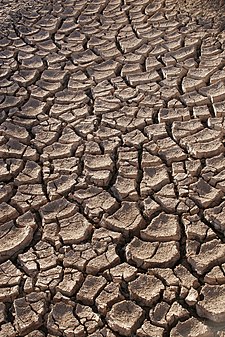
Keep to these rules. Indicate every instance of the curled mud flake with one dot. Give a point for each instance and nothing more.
(107, 259)
(122, 272)
(90, 288)
(146, 289)
(10, 278)
(154, 178)
(95, 201)
(49, 279)
(148, 329)
(164, 227)
(209, 307)
(204, 194)
(192, 328)
(164, 315)
(61, 319)
(71, 282)
(58, 209)
(205, 256)
(88, 318)
(215, 216)
(75, 229)
(7, 212)
(126, 220)
(152, 254)
(110, 295)
(125, 317)
(16, 235)
(29, 312)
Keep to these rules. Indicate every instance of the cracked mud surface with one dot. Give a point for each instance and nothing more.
(112, 170)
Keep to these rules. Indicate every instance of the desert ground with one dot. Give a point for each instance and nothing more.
(112, 168)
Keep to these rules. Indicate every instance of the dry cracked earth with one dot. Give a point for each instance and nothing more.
(112, 170)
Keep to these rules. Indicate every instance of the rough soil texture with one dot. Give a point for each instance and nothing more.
(112, 169)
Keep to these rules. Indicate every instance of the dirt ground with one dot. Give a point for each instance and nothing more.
(112, 168)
